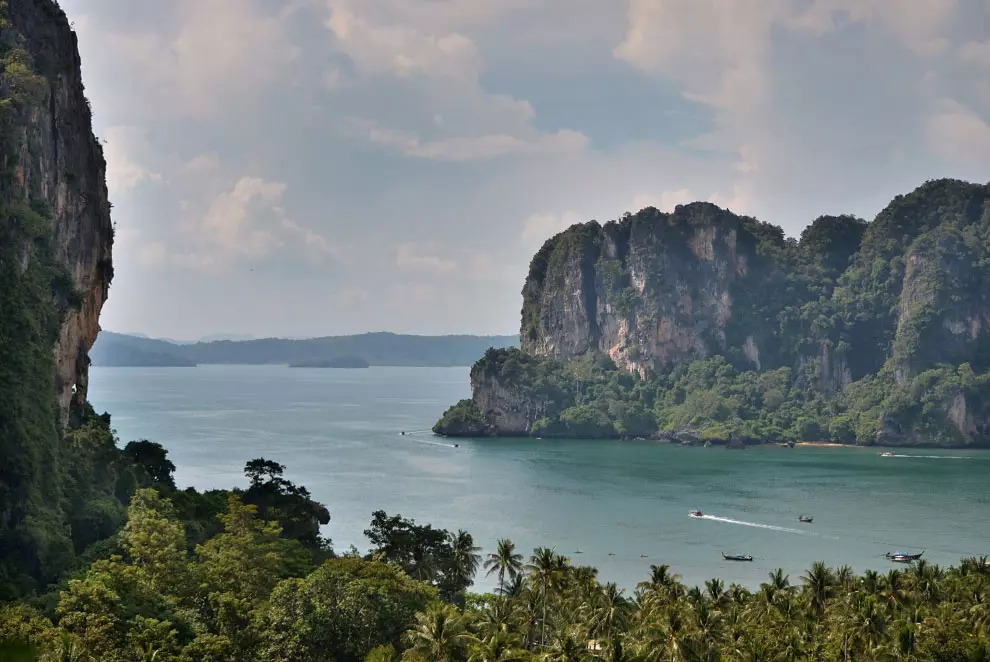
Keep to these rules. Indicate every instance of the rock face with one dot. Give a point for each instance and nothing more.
(651, 291)
(55, 268)
(57, 158)
(895, 301)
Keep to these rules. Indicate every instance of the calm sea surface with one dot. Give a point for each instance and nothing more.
(337, 432)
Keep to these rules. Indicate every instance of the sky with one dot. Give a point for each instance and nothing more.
(323, 167)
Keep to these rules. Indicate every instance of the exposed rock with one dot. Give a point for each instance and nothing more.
(59, 160)
(903, 301)
(651, 291)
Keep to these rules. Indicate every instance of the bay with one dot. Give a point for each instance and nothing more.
(624, 505)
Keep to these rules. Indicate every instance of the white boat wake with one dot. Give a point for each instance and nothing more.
(433, 443)
(932, 457)
(769, 527)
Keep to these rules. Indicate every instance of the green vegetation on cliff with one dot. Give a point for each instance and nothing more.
(703, 324)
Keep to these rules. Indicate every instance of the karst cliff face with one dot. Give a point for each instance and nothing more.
(56, 158)
(651, 291)
(55, 267)
(889, 301)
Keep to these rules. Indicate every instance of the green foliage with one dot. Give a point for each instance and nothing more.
(242, 596)
(36, 465)
(853, 333)
(712, 400)
(446, 560)
(290, 505)
(342, 611)
(463, 418)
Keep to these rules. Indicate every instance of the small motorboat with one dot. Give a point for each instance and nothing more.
(887, 454)
(696, 513)
(402, 433)
(736, 557)
(901, 557)
(805, 519)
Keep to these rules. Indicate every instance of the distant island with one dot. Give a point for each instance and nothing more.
(128, 356)
(335, 362)
(375, 349)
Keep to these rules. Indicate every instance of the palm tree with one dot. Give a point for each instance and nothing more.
(439, 635)
(464, 558)
(543, 565)
(499, 647)
(818, 581)
(515, 587)
(609, 613)
(567, 648)
(504, 560)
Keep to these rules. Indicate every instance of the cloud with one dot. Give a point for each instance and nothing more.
(448, 115)
(245, 224)
(312, 240)
(153, 255)
(540, 227)
(417, 257)
(466, 148)
(665, 202)
(201, 164)
(958, 133)
(976, 53)
(363, 157)
(123, 173)
(198, 57)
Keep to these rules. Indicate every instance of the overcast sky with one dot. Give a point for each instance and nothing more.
(317, 167)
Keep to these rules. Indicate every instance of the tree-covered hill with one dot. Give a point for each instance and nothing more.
(704, 324)
(390, 349)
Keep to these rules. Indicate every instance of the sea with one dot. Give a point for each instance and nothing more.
(618, 506)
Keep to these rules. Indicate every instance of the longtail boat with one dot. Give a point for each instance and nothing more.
(901, 557)
(736, 557)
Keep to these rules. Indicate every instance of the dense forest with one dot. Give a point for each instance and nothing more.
(700, 324)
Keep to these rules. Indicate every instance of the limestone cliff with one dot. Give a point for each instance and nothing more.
(653, 290)
(55, 267)
(55, 158)
(873, 332)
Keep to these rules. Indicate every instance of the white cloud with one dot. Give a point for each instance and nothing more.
(959, 134)
(451, 116)
(215, 53)
(246, 223)
(540, 227)
(738, 202)
(719, 50)
(123, 173)
(199, 165)
(976, 53)
(715, 49)
(229, 226)
(664, 202)
(466, 148)
(313, 240)
(400, 50)
(153, 255)
(418, 257)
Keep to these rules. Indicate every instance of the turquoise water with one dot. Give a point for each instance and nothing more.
(337, 431)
